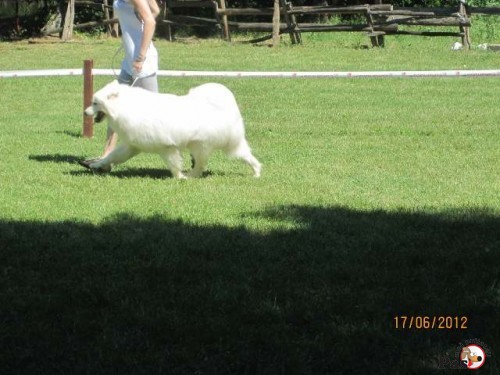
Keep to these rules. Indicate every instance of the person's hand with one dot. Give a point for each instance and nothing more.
(138, 66)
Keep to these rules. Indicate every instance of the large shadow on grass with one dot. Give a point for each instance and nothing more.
(135, 296)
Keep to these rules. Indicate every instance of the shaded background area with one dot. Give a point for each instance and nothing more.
(135, 296)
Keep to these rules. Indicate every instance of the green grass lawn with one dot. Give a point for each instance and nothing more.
(378, 198)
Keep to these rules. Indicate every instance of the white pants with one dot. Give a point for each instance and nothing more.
(149, 83)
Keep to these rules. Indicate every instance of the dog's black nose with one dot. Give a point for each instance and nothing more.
(479, 358)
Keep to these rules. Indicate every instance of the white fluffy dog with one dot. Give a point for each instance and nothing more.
(203, 121)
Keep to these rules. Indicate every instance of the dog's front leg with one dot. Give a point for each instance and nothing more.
(119, 155)
(173, 158)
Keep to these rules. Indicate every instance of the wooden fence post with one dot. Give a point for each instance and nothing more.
(88, 92)
(276, 23)
(462, 10)
(225, 26)
(69, 20)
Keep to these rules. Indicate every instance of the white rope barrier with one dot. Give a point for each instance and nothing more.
(441, 73)
(231, 74)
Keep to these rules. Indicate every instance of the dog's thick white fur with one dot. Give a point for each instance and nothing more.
(203, 121)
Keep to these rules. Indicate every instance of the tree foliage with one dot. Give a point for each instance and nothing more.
(26, 18)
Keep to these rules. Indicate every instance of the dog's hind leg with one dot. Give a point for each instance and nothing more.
(252, 162)
(173, 158)
(118, 156)
(243, 152)
(199, 155)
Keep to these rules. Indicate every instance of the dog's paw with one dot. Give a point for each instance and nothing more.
(257, 171)
(179, 175)
(99, 167)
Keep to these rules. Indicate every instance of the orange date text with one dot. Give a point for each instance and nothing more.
(429, 322)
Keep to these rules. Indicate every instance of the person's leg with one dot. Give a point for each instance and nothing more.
(149, 83)
(119, 155)
(111, 137)
(124, 78)
(111, 140)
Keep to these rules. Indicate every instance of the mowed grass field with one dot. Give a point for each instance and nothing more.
(379, 198)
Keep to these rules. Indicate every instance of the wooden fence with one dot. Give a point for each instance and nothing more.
(377, 20)
(68, 25)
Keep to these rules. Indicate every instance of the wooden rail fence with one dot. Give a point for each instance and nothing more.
(378, 20)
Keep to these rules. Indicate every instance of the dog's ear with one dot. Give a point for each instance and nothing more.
(113, 90)
(112, 95)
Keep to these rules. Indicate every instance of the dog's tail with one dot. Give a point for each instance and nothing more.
(243, 151)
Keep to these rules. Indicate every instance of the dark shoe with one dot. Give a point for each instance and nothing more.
(86, 164)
